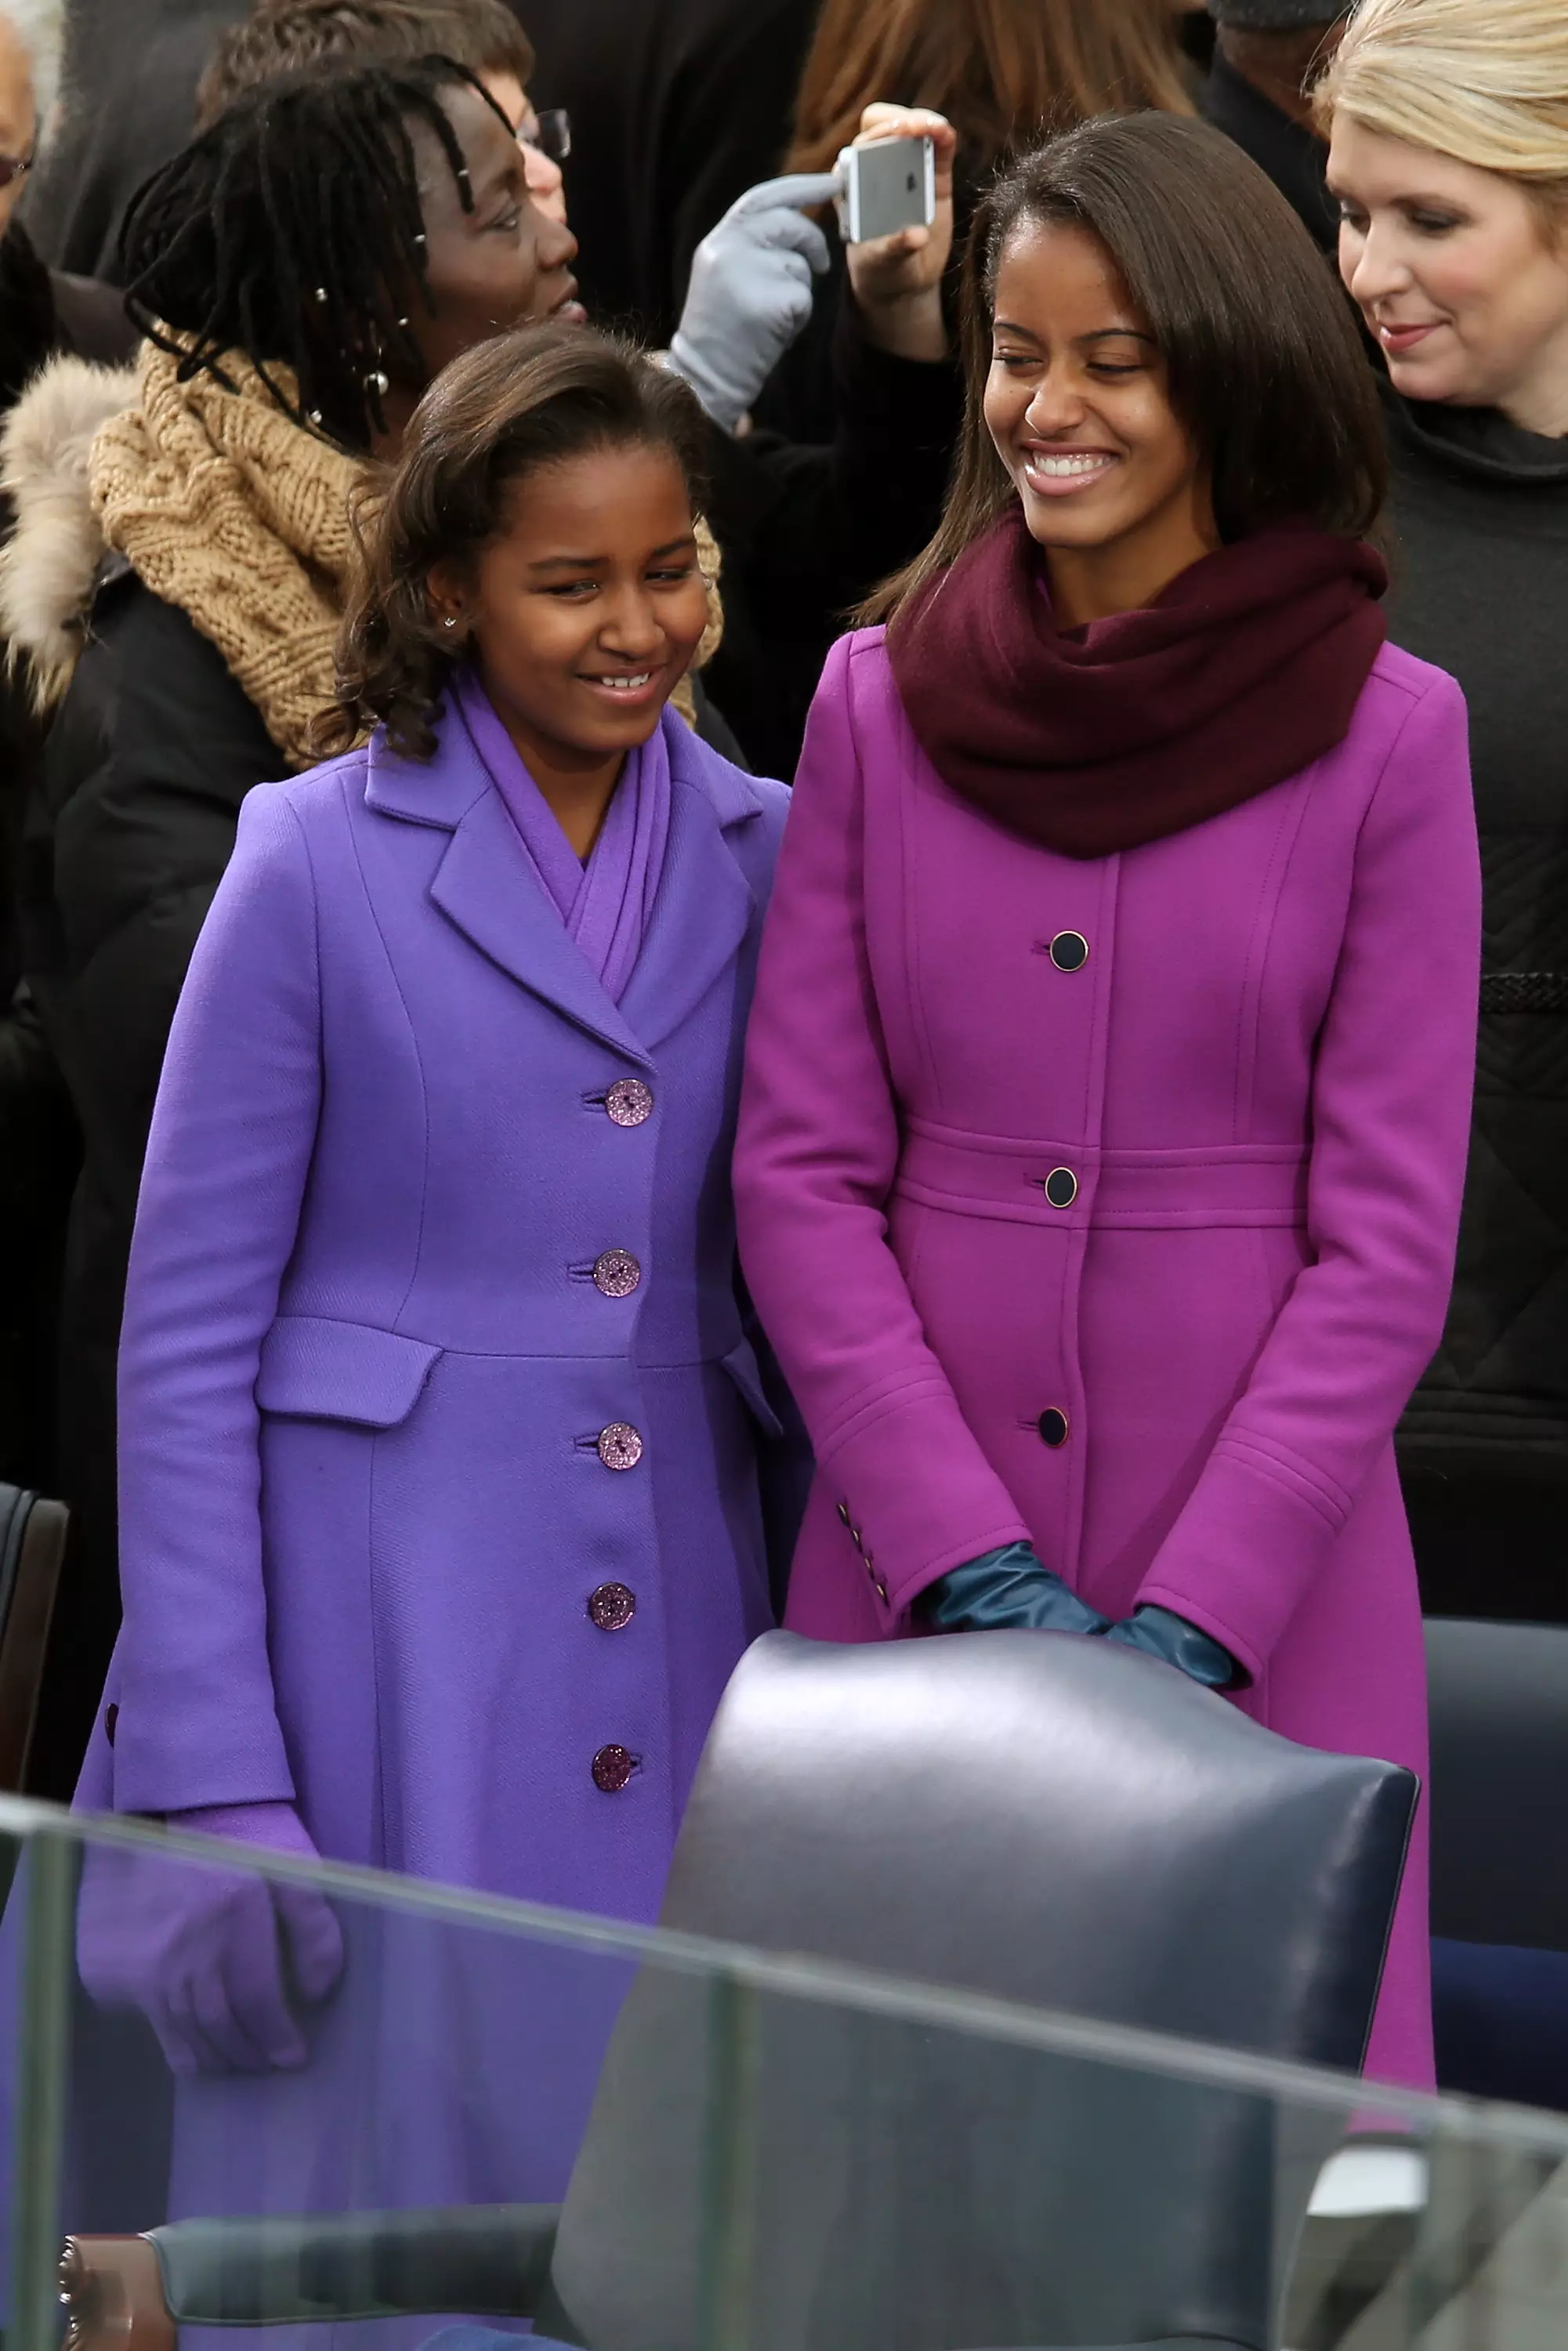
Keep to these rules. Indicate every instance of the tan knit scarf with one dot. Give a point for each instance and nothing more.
(225, 507)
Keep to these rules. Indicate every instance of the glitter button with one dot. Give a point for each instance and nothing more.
(1061, 1188)
(620, 1445)
(629, 1102)
(616, 1273)
(612, 1606)
(613, 1767)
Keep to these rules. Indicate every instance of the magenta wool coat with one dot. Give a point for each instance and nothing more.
(1111, 1203)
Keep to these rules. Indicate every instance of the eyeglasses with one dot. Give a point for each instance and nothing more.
(13, 166)
(550, 132)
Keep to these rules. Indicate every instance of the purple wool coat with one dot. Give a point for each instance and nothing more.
(1245, 1053)
(431, 1506)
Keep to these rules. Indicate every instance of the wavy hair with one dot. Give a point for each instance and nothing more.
(490, 418)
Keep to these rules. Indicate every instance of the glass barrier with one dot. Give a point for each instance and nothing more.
(308, 2097)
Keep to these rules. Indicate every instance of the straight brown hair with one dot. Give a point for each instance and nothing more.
(1264, 365)
(1006, 73)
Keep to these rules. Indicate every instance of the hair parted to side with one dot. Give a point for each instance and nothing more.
(282, 36)
(1006, 73)
(1485, 81)
(1263, 361)
(291, 231)
(524, 400)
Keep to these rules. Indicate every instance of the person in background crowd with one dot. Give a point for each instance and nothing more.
(129, 79)
(1109, 1335)
(1266, 55)
(501, 955)
(286, 36)
(302, 270)
(1449, 163)
(804, 528)
(41, 313)
(678, 107)
(1003, 72)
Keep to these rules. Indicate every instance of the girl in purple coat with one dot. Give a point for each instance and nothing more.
(1107, 1085)
(439, 1429)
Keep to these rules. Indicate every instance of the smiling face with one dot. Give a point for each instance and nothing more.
(1458, 272)
(1111, 484)
(586, 612)
(498, 266)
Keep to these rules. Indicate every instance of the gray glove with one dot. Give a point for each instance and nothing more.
(751, 293)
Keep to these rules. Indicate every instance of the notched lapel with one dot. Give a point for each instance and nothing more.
(701, 916)
(482, 884)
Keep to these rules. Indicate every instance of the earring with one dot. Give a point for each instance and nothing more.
(450, 622)
(378, 382)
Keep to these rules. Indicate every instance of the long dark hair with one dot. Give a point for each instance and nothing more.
(1005, 72)
(507, 407)
(1264, 363)
(291, 231)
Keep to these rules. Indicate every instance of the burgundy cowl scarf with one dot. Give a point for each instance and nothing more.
(1243, 672)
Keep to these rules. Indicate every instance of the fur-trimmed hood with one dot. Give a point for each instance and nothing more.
(48, 562)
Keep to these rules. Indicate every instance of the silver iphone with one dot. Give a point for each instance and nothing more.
(886, 187)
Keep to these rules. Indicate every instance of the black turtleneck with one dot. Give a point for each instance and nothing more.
(1479, 515)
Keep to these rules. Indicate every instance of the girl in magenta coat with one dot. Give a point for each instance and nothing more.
(1107, 1085)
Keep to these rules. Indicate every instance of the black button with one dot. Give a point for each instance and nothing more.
(1061, 1188)
(612, 1768)
(1054, 1428)
(111, 1722)
(1069, 951)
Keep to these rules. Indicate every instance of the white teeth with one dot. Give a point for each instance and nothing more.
(627, 685)
(1058, 465)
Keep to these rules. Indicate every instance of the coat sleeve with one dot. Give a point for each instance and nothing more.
(1391, 1110)
(230, 1149)
(815, 1163)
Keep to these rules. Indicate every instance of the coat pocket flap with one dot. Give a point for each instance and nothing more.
(741, 1364)
(320, 1370)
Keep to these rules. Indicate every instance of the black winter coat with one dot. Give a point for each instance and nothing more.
(131, 68)
(132, 825)
(1480, 515)
(677, 107)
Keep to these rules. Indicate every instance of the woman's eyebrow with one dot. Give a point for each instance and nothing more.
(597, 562)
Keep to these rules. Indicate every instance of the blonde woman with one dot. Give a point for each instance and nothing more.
(1448, 121)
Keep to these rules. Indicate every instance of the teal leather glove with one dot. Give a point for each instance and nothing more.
(1161, 1633)
(1006, 1590)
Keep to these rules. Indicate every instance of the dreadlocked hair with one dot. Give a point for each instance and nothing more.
(291, 230)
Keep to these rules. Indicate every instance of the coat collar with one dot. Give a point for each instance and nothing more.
(484, 886)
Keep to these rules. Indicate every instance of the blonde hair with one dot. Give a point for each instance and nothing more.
(1485, 81)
